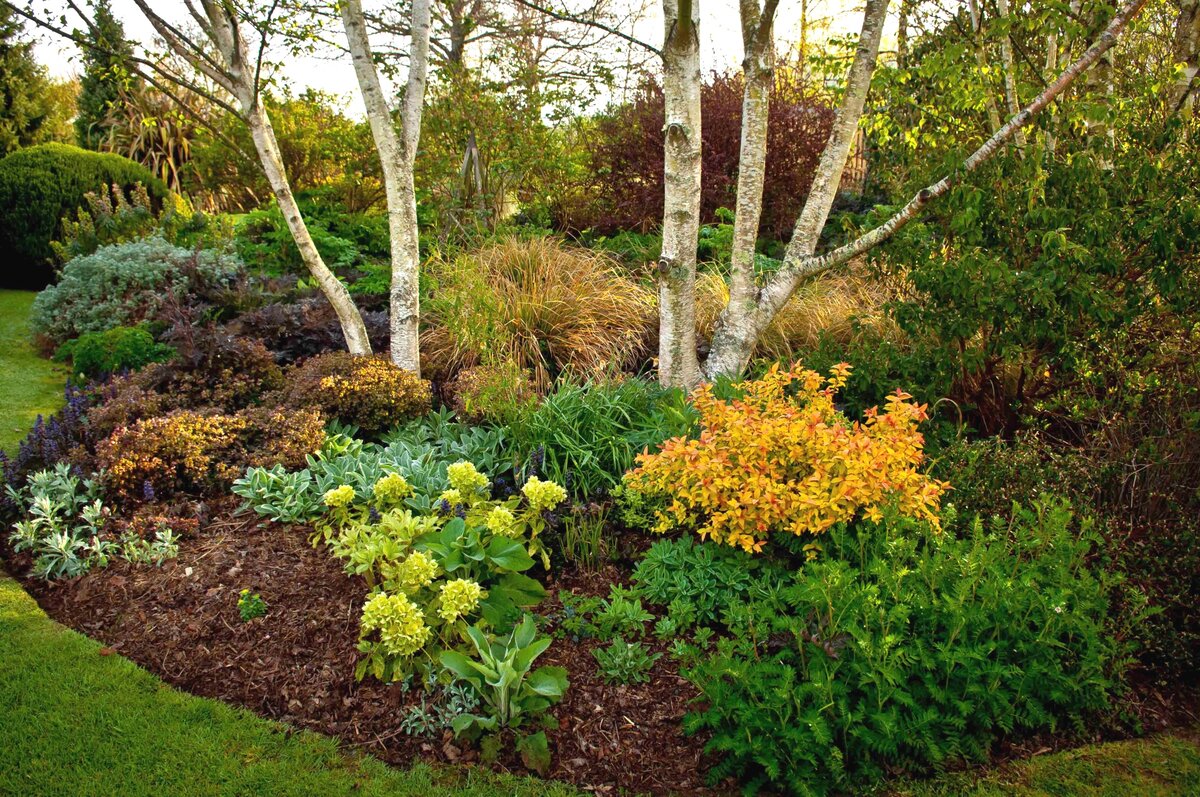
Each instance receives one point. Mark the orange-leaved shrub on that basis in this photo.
(194, 453)
(782, 458)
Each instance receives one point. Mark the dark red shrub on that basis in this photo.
(627, 156)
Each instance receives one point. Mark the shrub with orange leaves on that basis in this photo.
(782, 458)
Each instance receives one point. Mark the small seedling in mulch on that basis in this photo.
(250, 605)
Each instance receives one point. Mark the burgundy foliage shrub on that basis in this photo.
(627, 156)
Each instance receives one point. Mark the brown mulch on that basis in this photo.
(296, 664)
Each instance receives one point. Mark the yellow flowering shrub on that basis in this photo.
(417, 570)
(390, 491)
(782, 458)
(196, 452)
(464, 478)
(543, 495)
(339, 497)
(399, 622)
(459, 598)
(182, 451)
(369, 392)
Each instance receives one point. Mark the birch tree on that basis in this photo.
(397, 152)
(731, 350)
(228, 63)
(1185, 48)
(227, 71)
(678, 365)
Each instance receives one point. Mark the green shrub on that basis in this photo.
(587, 435)
(97, 354)
(493, 393)
(41, 185)
(905, 650)
(123, 285)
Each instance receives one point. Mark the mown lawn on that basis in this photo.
(31, 385)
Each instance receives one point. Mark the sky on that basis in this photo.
(721, 41)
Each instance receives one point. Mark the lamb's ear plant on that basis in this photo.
(512, 694)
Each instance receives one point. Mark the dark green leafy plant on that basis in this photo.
(621, 614)
(250, 605)
(41, 185)
(511, 692)
(699, 580)
(623, 663)
(589, 434)
(905, 649)
(98, 354)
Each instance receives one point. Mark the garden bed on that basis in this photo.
(296, 664)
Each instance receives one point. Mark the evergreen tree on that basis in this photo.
(105, 71)
(23, 87)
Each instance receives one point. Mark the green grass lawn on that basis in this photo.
(74, 721)
(30, 385)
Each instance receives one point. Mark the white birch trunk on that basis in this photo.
(678, 365)
(981, 61)
(231, 69)
(758, 69)
(1010, 75)
(802, 262)
(1185, 48)
(397, 153)
(731, 353)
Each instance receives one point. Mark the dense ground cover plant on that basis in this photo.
(99, 354)
(906, 647)
(122, 285)
(66, 527)
(51, 440)
(296, 330)
(780, 457)
(539, 304)
(367, 392)
(187, 451)
(586, 435)
(421, 451)
(41, 185)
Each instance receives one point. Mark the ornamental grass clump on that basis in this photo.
(782, 458)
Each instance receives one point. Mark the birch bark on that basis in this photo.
(678, 365)
(397, 153)
(758, 70)
(801, 261)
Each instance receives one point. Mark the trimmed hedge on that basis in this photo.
(38, 187)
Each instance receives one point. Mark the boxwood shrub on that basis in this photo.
(38, 187)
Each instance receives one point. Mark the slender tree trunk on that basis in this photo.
(758, 70)
(263, 135)
(396, 156)
(902, 34)
(1010, 74)
(678, 365)
(1186, 51)
(801, 261)
(981, 60)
